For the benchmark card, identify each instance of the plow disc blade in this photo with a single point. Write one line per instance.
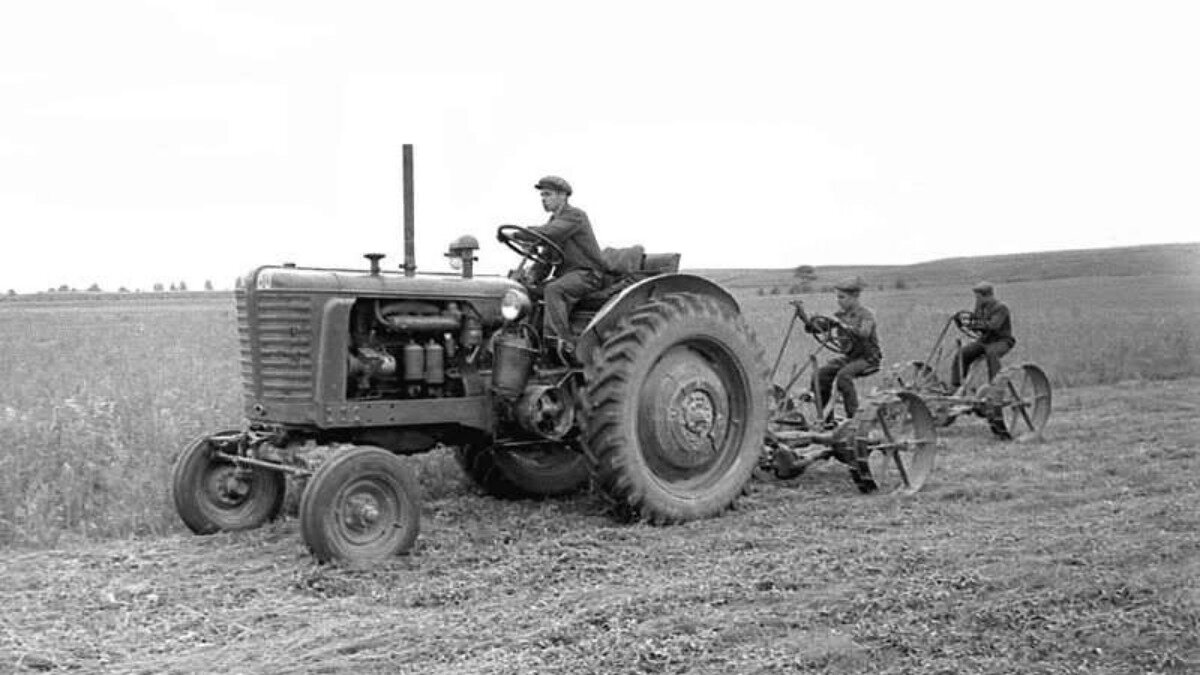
(900, 434)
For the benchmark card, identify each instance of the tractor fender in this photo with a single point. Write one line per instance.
(639, 293)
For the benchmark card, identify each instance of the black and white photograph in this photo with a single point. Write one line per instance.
(600, 338)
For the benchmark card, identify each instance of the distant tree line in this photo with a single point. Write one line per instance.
(158, 287)
(806, 277)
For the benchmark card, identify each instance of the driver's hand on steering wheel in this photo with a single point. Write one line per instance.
(525, 237)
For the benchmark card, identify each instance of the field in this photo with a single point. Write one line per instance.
(1077, 554)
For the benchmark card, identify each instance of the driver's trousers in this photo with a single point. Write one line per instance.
(842, 370)
(562, 293)
(991, 350)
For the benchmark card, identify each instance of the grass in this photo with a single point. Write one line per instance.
(1075, 555)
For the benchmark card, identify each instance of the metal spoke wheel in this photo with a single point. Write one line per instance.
(212, 494)
(361, 507)
(1026, 400)
(900, 435)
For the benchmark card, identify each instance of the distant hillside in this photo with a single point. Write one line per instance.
(1174, 259)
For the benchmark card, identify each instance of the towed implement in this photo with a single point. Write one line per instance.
(890, 444)
(1015, 404)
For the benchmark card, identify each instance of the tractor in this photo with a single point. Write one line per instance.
(663, 406)
(1016, 403)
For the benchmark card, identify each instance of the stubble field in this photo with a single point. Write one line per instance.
(1076, 554)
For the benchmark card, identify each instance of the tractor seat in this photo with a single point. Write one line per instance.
(627, 266)
(624, 260)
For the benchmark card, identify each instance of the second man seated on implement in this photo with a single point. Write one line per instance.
(583, 268)
(861, 359)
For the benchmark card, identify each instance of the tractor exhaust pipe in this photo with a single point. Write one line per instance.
(410, 257)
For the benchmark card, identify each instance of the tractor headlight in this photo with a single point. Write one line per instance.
(514, 305)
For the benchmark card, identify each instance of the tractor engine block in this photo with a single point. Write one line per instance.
(409, 349)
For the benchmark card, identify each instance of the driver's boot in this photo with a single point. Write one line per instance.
(566, 352)
(561, 350)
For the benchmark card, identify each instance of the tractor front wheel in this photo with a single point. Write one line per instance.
(361, 507)
(676, 409)
(212, 494)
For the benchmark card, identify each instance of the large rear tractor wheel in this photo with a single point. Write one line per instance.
(532, 471)
(676, 409)
(361, 507)
(1024, 399)
(899, 433)
(214, 495)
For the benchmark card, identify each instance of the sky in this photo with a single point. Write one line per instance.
(145, 142)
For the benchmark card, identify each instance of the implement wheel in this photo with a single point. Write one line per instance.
(545, 470)
(1024, 399)
(214, 495)
(676, 409)
(361, 507)
(899, 433)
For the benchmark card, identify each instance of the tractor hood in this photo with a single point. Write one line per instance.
(389, 284)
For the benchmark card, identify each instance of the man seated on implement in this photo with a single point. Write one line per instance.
(992, 320)
(864, 354)
(583, 268)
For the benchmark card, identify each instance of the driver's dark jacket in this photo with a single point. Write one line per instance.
(572, 231)
(994, 322)
(861, 322)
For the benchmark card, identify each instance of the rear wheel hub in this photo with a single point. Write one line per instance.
(685, 415)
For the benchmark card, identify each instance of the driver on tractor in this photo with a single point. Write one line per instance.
(861, 359)
(582, 270)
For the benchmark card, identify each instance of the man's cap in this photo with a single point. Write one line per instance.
(554, 183)
(849, 285)
(982, 288)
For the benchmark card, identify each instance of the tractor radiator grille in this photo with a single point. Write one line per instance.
(275, 335)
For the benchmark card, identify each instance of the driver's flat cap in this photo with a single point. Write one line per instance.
(983, 288)
(553, 183)
(849, 285)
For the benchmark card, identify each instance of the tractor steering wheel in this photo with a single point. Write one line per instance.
(831, 334)
(531, 245)
(964, 321)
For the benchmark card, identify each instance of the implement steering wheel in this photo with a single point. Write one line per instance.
(964, 321)
(831, 334)
(531, 245)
